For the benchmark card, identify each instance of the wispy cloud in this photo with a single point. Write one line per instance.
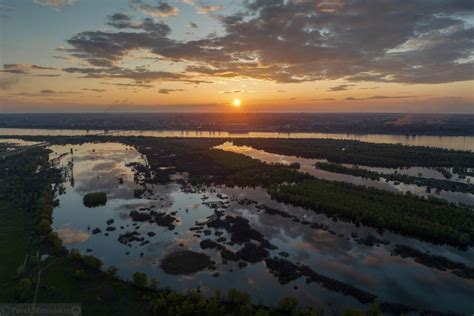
(94, 90)
(209, 8)
(25, 69)
(162, 10)
(341, 87)
(380, 97)
(168, 91)
(231, 91)
(57, 4)
(46, 92)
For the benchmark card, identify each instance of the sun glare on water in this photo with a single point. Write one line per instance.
(236, 103)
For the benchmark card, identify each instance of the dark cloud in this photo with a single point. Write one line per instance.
(47, 75)
(341, 87)
(24, 69)
(103, 49)
(419, 41)
(130, 85)
(380, 97)
(46, 92)
(231, 91)
(94, 90)
(167, 91)
(139, 75)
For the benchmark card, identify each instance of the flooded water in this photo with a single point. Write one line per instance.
(448, 142)
(307, 166)
(330, 248)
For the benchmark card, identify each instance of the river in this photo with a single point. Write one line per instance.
(447, 142)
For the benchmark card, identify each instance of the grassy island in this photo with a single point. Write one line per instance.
(95, 199)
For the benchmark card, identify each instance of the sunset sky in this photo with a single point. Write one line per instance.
(271, 55)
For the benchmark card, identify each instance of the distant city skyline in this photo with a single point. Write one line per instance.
(237, 56)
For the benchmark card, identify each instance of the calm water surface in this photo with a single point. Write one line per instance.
(448, 142)
(330, 252)
(307, 166)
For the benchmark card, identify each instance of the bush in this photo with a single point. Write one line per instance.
(44, 227)
(80, 274)
(92, 261)
(352, 312)
(246, 310)
(112, 272)
(288, 304)
(45, 212)
(140, 279)
(23, 288)
(74, 254)
(95, 199)
(154, 283)
(374, 309)
(238, 297)
(55, 241)
(214, 307)
(262, 312)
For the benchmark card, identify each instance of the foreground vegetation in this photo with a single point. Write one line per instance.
(428, 219)
(24, 187)
(362, 153)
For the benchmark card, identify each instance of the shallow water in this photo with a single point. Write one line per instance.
(448, 142)
(331, 252)
(307, 166)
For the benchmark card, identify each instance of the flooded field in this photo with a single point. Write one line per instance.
(308, 166)
(246, 240)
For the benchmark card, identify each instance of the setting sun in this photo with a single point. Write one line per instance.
(236, 103)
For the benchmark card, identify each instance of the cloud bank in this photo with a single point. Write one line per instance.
(412, 42)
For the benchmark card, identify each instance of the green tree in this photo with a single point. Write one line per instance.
(140, 279)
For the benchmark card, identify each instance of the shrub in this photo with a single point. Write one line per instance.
(112, 272)
(214, 307)
(140, 279)
(44, 227)
(55, 241)
(238, 297)
(45, 212)
(154, 283)
(92, 261)
(23, 288)
(262, 312)
(74, 254)
(95, 199)
(80, 274)
(352, 312)
(288, 304)
(246, 310)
